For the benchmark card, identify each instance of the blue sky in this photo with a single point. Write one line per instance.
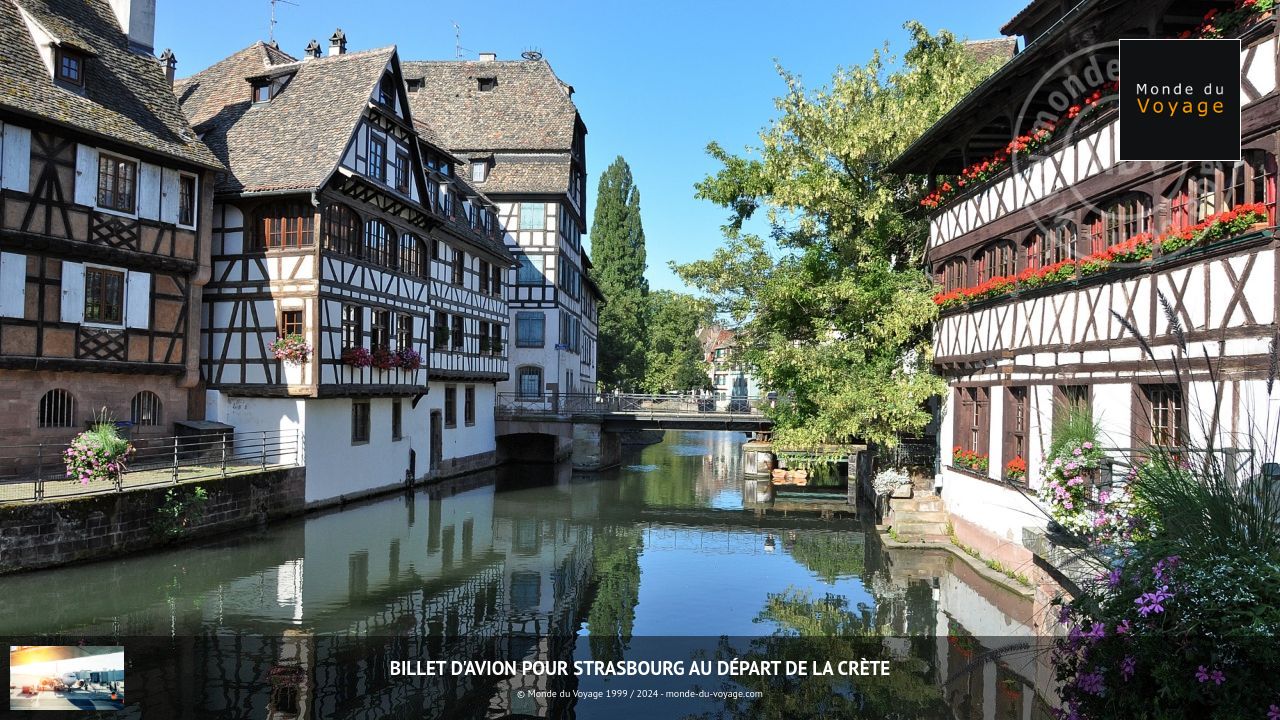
(655, 81)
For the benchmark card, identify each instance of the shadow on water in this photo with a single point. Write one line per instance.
(674, 555)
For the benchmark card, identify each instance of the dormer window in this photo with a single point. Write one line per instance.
(479, 170)
(69, 66)
(262, 91)
(486, 84)
(387, 91)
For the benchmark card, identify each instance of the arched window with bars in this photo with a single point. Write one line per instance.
(1253, 180)
(1118, 220)
(997, 259)
(144, 409)
(413, 255)
(378, 246)
(1193, 198)
(953, 275)
(1045, 247)
(57, 409)
(285, 224)
(340, 229)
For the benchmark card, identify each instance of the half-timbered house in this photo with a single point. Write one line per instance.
(321, 247)
(470, 265)
(524, 146)
(1053, 265)
(104, 223)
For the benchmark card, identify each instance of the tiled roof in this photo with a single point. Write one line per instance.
(529, 109)
(985, 50)
(126, 95)
(527, 173)
(294, 141)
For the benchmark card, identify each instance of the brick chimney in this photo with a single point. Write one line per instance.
(338, 43)
(170, 65)
(312, 51)
(488, 57)
(137, 19)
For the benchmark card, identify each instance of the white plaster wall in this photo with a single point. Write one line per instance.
(1113, 411)
(947, 427)
(336, 467)
(1001, 510)
(279, 417)
(995, 431)
(461, 441)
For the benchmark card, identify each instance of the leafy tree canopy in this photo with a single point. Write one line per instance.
(674, 361)
(618, 257)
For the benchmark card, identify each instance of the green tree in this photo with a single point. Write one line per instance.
(673, 358)
(834, 308)
(618, 257)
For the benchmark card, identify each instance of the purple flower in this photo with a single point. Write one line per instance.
(1127, 666)
(1076, 452)
(1152, 602)
(1113, 579)
(1090, 683)
(1064, 614)
(1087, 446)
(1202, 674)
(1217, 677)
(1097, 632)
(1274, 712)
(1124, 627)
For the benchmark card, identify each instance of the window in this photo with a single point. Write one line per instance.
(954, 275)
(57, 409)
(531, 270)
(187, 202)
(996, 260)
(529, 382)
(459, 266)
(1016, 423)
(1047, 247)
(1118, 221)
(285, 225)
(485, 277)
(387, 91)
(377, 158)
(570, 280)
(479, 170)
(290, 322)
(1194, 199)
(340, 229)
(404, 331)
(469, 405)
(352, 326)
(397, 420)
(570, 328)
(380, 330)
(402, 172)
(70, 66)
(103, 296)
(530, 329)
(359, 422)
(262, 91)
(437, 250)
(413, 256)
(1165, 415)
(533, 216)
(486, 84)
(440, 331)
(117, 183)
(971, 418)
(1253, 180)
(450, 406)
(456, 335)
(495, 284)
(377, 243)
(144, 409)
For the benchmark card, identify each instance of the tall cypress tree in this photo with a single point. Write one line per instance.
(618, 256)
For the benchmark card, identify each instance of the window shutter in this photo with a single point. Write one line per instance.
(1179, 211)
(148, 191)
(15, 162)
(169, 197)
(72, 310)
(13, 285)
(137, 302)
(86, 175)
(1097, 234)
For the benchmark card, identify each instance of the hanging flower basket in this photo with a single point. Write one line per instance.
(1016, 469)
(291, 349)
(970, 459)
(99, 453)
(357, 357)
(408, 359)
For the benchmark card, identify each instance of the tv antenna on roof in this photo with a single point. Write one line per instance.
(457, 40)
(531, 54)
(271, 31)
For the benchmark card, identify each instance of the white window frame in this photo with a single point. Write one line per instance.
(195, 200)
(137, 184)
(124, 297)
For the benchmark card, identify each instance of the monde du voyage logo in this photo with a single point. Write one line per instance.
(1180, 100)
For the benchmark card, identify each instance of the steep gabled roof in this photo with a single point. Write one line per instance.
(529, 109)
(126, 95)
(526, 173)
(294, 141)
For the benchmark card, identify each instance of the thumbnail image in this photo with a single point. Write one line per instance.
(66, 677)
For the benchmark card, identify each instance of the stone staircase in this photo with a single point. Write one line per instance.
(919, 518)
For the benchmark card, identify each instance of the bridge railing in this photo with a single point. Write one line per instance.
(512, 404)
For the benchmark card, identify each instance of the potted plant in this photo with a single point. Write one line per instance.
(357, 357)
(291, 349)
(1016, 469)
(382, 359)
(408, 359)
(99, 453)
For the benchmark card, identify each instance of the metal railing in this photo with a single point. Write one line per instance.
(510, 404)
(38, 472)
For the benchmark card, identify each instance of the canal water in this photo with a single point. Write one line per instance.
(675, 556)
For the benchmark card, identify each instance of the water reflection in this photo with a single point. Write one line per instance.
(302, 619)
